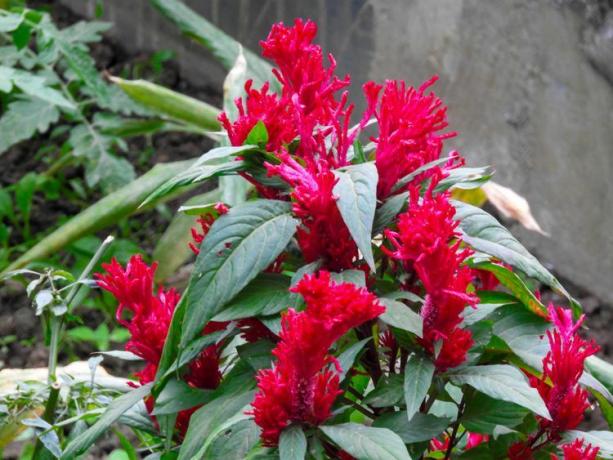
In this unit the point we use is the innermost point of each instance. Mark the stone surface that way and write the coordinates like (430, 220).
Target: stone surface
(528, 84)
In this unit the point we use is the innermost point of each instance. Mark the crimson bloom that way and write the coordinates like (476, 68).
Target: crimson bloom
(424, 243)
(559, 385)
(411, 122)
(301, 386)
(133, 287)
(577, 451)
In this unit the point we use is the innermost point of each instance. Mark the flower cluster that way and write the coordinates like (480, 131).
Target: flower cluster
(304, 383)
(410, 124)
(133, 287)
(559, 385)
(428, 244)
(577, 451)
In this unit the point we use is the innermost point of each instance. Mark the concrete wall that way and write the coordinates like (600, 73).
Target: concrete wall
(528, 84)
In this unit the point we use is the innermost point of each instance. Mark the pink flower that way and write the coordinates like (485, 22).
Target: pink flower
(576, 451)
(563, 367)
(410, 125)
(301, 387)
(424, 243)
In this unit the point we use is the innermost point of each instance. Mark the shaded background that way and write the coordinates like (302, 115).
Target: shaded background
(529, 84)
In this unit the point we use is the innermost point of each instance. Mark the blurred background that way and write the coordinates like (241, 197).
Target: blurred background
(529, 85)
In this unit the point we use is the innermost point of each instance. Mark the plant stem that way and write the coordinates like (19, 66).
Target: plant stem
(58, 165)
(54, 393)
(456, 426)
(359, 408)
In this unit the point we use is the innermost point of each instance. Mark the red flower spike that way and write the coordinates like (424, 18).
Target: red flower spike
(563, 367)
(300, 387)
(577, 451)
(424, 243)
(410, 125)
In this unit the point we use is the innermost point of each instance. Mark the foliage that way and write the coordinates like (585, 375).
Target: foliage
(343, 306)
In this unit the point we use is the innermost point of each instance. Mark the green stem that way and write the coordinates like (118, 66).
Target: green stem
(48, 416)
(58, 165)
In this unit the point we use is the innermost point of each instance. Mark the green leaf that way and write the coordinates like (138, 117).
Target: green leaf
(215, 162)
(172, 248)
(357, 277)
(235, 442)
(484, 233)
(388, 392)
(258, 355)
(239, 246)
(258, 135)
(174, 105)
(465, 178)
(177, 396)
(523, 332)
(223, 47)
(515, 284)
(265, 295)
(602, 370)
(386, 214)
(483, 414)
(412, 175)
(418, 375)
(367, 443)
(85, 31)
(421, 427)
(24, 193)
(23, 118)
(501, 381)
(348, 357)
(10, 21)
(399, 315)
(601, 439)
(108, 211)
(206, 420)
(292, 444)
(356, 192)
(81, 443)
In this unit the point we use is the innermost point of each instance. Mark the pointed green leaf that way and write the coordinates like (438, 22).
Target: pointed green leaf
(418, 375)
(399, 315)
(367, 443)
(81, 443)
(240, 245)
(356, 192)
(387, 212)
(421, 427)
(292, 444)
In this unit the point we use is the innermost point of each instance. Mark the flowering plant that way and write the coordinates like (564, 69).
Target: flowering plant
(351, 308)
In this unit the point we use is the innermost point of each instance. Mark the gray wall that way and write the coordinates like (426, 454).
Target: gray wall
(528, 84)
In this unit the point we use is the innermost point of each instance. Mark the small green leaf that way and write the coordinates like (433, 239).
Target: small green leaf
(23, 118)
(258, 355)
(177, 396)
(10, 21)
(399, 315)
(81, 443)
(412, 175)
(418, 375)
(465, 178)
(235, 442)
(356, 192)
(258, 135)
(292, 444)
(388, 392)
(239, 246)
(364, 442)
(504, 382)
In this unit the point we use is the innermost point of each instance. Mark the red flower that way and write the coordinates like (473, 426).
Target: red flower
(474, 439)
(576, 451)
(300, 387)
(151, 314)
(424, 243)
(205, 221)
(323, 233)
(410, 125)
(563, 367)
(262, 106)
